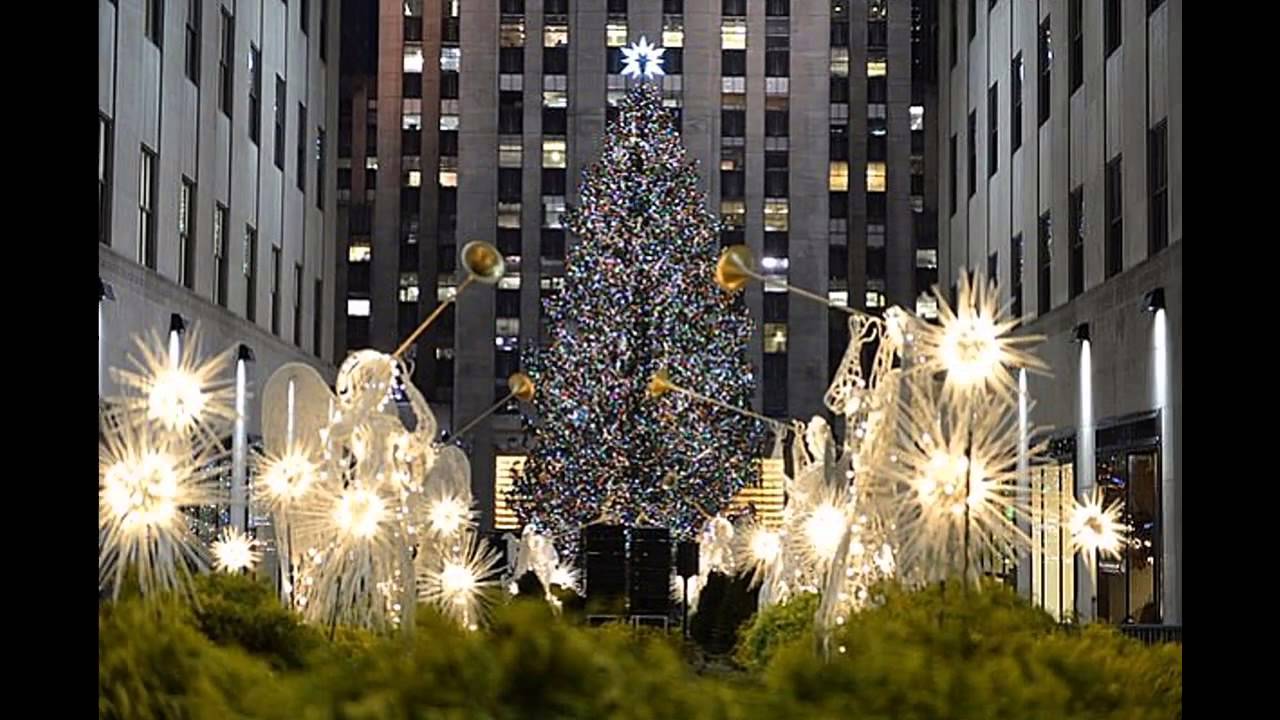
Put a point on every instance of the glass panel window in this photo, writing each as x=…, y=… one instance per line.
x=733, y=34
x=776, y=212
x=413, y=58
x=358, y=307
x=359, y=251
x=838, y=176
x=510, y=152
x=615, y=34
x=875, y=177
x=509, y=215
x=1052, y=559
x=555, y=35
x=408, y=287
x=554, y=153
x=775, y=337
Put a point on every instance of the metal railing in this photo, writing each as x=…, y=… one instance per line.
x=1153, y=634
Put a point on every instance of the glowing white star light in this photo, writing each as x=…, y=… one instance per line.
x=235, y=551
x=1096, y=527
x=642, y=60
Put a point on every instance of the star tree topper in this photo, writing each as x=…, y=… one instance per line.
x=642, y=60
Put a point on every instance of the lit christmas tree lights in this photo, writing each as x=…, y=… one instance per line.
x=639, y=296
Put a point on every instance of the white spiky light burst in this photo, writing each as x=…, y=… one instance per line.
x=759, y=549
x=642, y=60
x=180, y=392
x=146, y=476
x=459, y=580
x=1095, y=527
x=972, y=343
x=566, y=577
x=235, y=551
x=957, y=459
x=284, y=479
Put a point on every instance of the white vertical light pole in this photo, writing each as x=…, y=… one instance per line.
x=1170, y=535
x=239, y=474
x=1024, y=480
x=1086, y=580
x=104, y=293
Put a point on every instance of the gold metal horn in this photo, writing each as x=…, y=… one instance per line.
x=734, y=268
x=660, y=384
x=483, y=262
x=521, y=386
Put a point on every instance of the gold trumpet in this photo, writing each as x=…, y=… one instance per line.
x=483, y=263
x=522, y=388
x=661, y=384
x=736, y=266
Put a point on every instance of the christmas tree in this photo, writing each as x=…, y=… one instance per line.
x=639, y=296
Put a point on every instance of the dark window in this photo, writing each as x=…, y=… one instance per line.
x=510, y=112
x=411, y=85
x=324, y=32
x=1115, y=218
x=154, y=19
x=555, y=121
x=302, y=148
x=512, y=7
x=1046, y=63
x=993, y=265
x=1045, y=239
x=733, y=123
x=839, y=34
x=777, y=63
x=448, y=84
x=776, y=183
x=251, y=273
x=555, y=60
x=955, y=35
x=317, y=315
x=954, y=177
x=511, y=60
x=613, y=60
x=839, y=90
x=877, y=89
x=553, y=181
x=733, y=62
x=449, y=143
x=973, y=19
x=280, y=122
x=304, y=14
x=1153, y=4
x=193, y=41
x=616, y=6
x=321, y=167
x=673, y=7
x=877, y=206
x=1015, y=275
x=106, y=161
x=775, y=123
x=187, y=233
x=1015, y=99
x=777, y=8
x=1111, y=20
x=877, y=148
x=413, y=28
x=1158, y=183
x=255, y=94
x=775, y=383
x=411, y=142
x=552, y=246
x=733, y=7
x=1075, y=30
x=509, y=184
x=973, y=152
x=993, y=129
x=226, y=64
x=732, y=184
x=275, y=290
x=838, y=205
x=147, y=209
x=877, y=33
x=1075, y=264
x=221, y=264
x=673, y=61
x=297, y=305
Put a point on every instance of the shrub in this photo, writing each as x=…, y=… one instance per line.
x=775, y=626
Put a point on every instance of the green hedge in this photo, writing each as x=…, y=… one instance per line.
x=932, y=654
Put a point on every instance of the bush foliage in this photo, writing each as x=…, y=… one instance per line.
x=234, y=653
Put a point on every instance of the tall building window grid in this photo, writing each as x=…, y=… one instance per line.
x=187, y=234
x=146, y=250
x=321, y=167
x=973, y=152
x=1115, y=218
x=317, y=318
x=954, y=175
x=1075, y=222
x=192, y=54
x=297, y=304
x=876, y=69
x=1158, y=186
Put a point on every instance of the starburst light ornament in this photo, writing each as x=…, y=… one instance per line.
x=1096, y=528
x=235, y=551
x=174, y=388
x=642, y=60
x=145, y=477
x=458, y=580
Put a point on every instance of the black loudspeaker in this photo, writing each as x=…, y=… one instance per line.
x=649, y=589
x=687, y=559
x=605, y=548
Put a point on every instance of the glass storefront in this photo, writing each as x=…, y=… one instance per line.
x=1053, y=581
x=1129, y=588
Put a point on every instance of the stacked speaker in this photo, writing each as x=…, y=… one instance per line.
x=605, y=548
x=650, y=571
